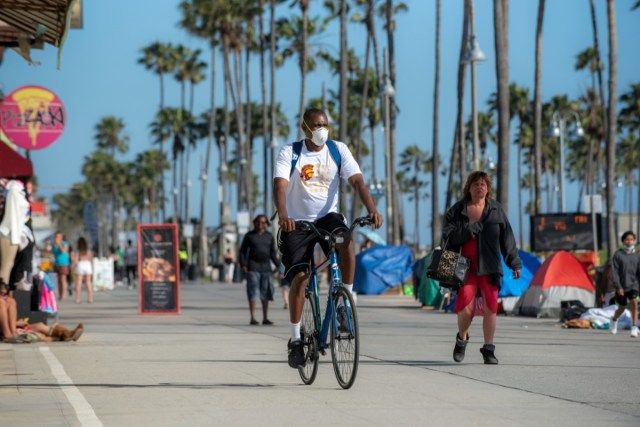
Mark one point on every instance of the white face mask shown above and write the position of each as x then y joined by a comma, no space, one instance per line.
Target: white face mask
319,136
630,248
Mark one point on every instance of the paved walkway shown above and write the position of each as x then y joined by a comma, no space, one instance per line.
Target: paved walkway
209,367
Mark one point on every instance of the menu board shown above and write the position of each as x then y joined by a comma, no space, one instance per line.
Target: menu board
158,269
569,231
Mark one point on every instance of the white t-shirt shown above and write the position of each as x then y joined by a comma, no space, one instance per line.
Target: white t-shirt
314,185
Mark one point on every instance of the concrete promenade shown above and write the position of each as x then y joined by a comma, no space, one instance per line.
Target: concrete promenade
209,367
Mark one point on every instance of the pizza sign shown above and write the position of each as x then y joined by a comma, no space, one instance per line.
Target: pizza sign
32,117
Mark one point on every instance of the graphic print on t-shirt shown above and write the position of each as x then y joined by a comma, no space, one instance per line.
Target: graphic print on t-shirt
306,173
313,187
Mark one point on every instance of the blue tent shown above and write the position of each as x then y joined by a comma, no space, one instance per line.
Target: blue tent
382,267
516,287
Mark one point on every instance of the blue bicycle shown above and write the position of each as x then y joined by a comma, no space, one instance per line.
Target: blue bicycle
340,319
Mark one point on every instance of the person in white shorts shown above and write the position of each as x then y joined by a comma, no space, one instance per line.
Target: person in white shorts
83,269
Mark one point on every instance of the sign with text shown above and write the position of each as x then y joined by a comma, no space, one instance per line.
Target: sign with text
158,269
32,117
568,231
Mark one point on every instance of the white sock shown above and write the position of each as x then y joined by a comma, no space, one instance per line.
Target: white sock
349,287
295,331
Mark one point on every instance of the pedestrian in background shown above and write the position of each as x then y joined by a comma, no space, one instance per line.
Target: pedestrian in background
62,261
625,267
478,227
83,269
257,251
229,266
131,260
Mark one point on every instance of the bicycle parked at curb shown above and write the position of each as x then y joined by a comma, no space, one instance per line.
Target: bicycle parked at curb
340,322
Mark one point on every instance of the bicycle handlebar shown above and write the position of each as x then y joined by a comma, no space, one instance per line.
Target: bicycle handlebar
363,221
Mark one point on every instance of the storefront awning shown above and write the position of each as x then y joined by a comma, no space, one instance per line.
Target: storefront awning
12,164
28,23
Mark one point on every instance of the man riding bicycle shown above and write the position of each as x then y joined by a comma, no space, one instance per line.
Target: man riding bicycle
306,187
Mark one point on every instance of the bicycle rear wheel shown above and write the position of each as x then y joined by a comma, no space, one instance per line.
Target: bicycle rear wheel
345,340
309,340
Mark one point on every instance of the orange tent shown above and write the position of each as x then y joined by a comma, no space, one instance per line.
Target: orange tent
560,278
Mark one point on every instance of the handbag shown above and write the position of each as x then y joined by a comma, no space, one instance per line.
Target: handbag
449,268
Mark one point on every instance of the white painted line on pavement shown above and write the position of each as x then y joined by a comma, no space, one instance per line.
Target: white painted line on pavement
84,411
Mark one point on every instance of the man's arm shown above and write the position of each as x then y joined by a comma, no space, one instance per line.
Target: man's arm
357,182
280,195
244,248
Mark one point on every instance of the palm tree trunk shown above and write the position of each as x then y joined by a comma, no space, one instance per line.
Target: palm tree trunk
537,111
204,242
596,46
435,138
390,27
303,64
357,203
162,193
611,128
416,213
265,115
343,88
174,192
248,155
500,22
459,136
273,131
520,212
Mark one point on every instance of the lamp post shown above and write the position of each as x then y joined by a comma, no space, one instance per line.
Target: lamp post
558,131
473,55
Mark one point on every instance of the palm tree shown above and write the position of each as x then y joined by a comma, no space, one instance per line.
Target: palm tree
148,174
110,135
158,57
414,163
537,111
630,112
611,123
435,167
178,126
501,27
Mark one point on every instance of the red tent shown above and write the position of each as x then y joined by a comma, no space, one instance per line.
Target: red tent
12,164
560,278
562,269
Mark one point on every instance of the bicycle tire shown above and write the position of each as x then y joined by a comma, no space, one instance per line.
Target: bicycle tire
345,345
309,338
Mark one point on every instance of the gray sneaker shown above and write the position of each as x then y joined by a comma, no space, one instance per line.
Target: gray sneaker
459,349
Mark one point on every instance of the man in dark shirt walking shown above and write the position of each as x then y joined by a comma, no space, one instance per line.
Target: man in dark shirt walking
257,250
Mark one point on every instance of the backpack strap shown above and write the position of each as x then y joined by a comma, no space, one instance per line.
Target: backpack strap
333,151
297,149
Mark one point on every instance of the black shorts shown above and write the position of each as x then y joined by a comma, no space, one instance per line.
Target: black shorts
623,300
297,246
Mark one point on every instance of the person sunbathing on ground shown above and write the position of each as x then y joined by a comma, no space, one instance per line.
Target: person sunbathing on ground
26,333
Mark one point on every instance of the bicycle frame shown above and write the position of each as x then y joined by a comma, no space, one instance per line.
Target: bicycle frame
330,317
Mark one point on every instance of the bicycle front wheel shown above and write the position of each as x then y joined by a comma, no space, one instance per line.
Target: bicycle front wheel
309,340
345,340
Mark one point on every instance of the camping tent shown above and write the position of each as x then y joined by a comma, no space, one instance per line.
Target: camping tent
561,278
516,287
382,267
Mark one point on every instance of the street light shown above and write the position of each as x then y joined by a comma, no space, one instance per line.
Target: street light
473,55
558,129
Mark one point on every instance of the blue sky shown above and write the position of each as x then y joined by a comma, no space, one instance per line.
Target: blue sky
99,76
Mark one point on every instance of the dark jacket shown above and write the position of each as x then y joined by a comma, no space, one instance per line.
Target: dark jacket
624,270
256,251
495,237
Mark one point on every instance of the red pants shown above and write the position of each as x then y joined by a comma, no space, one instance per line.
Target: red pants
476,285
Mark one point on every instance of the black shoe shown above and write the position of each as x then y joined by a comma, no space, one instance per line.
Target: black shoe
254,322
296,354
487,353
459,349
341,315
267,322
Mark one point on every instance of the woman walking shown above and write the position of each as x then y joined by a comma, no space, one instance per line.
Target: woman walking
478,227
83,269
625,267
